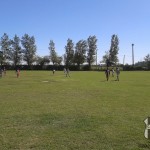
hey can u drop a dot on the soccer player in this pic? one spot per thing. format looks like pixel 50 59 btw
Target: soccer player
pixel 18 73
pixel 117 73
pixel 53 71
pixel 113 72
pixel 107 73
pixel 1 72
pixel 64 70
pixel 67 72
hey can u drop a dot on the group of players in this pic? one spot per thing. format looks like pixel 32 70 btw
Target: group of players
pixel 107 73
pixel 3 72
pixel 66 72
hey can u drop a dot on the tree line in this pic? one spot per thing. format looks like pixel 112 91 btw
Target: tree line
pixel 17 50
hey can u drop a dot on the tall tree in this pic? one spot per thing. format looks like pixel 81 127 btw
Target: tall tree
pixel 16 51
pixel 92 49
pixel 69 53
pixel 114 48
pixel 80 52
pixel 29 51
pixel 147 60
pixel 53 54
pixel 1 58
pixel 5 44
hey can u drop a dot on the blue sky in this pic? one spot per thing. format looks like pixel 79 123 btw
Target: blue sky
pixel 59 20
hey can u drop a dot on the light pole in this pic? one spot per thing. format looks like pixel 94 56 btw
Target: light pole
pixel 132 54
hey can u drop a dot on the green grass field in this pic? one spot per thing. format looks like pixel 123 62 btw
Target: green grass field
pixel 41 111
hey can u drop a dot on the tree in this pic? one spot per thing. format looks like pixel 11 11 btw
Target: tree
pixel 114 48
pixel 105 57
pixel 53 54
pixel 69 54
pixel 92 48
pixel 1 58
pixel 5 44
pixel 16 51
pixel 59 60
pixel 80 52
pixel 147 60
pixel 42 60
pixel 29 51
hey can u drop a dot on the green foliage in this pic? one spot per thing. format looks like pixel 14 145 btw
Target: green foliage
pixel 53 54
pixel 1 57
pixel 80 52
pixel 114 48
pixel 16 51
pixel 92 48
pixel 5 44
pixel 147 60
pixel 69 53
pixel 59 60
pixel 105 57
pixel 29 51
pixel 42 60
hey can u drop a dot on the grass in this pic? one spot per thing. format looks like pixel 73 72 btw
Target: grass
pixel 41 111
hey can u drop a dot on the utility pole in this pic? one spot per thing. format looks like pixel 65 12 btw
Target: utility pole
pixel 132 54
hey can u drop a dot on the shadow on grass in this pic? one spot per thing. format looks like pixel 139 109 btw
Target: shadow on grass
pixel 108 80
pixel 104 81
pixel 144 146
pixel 113 80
